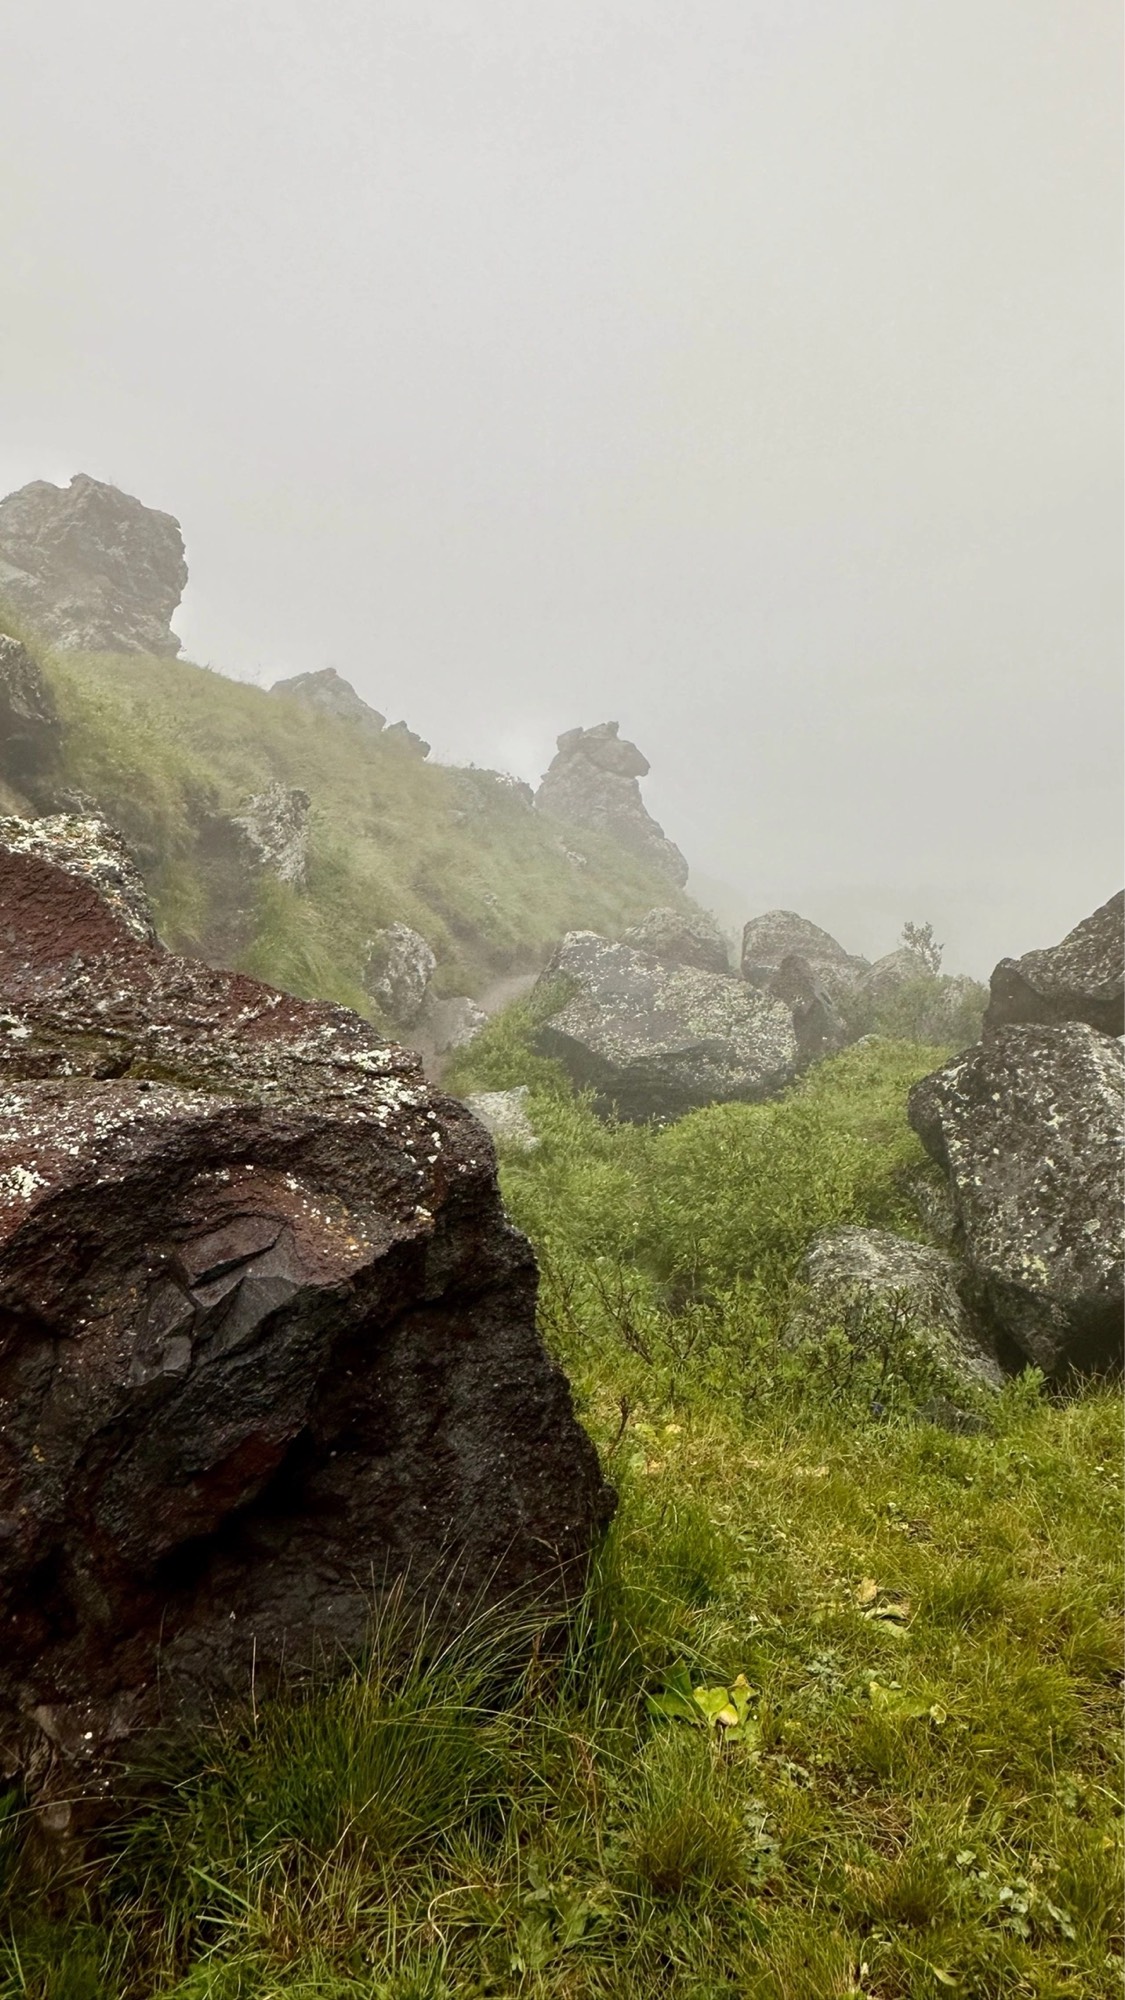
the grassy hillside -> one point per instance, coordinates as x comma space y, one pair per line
839, 1718
163, 746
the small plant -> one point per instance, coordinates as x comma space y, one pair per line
920, 939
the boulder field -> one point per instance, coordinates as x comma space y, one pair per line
267, 1339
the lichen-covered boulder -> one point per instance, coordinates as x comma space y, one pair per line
655, 1041
1029, 1127
881, 1288
85, 845
817, 1022
504, 1113
681, 937
30, 728
267, 1339
400, 965
1081, 979
592, 783
770, 939
275, 830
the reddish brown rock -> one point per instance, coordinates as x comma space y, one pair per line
266, 1337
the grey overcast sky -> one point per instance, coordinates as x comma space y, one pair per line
747, 370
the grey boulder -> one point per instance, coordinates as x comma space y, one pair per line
275, 825
876, 1286
1028, 1128
400, 965
817, 1022
328, 693
504, 1115
592, 783
91, 568
681, 937
770, 939
655, 1041
1081, 979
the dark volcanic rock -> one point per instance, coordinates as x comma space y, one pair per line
592, 783
817, 1023
655, 1041
1081, 979
267, 1339
780, 934
30, 729
868, 1281
85, 845
1028, 1127
328, 693
91, 568
681, 937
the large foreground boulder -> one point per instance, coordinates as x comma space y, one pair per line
91, 568
1081, 979
770, 939
888, 1293
1028, 1127
267, 1339
592, 783
654, 1041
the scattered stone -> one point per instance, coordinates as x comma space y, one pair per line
891, 973
407, 739
817, 1023
268, 1341
328, 693
874, 1284
768, 940
681, 937
87, 846
276, 827
503, 1113
92, 569
445, 1025
1081, 979
400, 965
655, 1041
592, 783
1028, 1128
30, 729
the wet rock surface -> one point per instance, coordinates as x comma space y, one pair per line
1081, 979
400, 965
770, 939
86, 846
1028, 1128
592, 783
91, 568
266, 1338
328, 693
30, 729
655, 1041
880, 1287
681, 937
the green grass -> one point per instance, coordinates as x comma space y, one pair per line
924, 1795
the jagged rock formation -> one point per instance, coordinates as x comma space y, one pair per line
30, 729
876, 1286
400, 965
328, 693
655, 1041
408, 739
592, 783
781, 934
817, 1022
1028, 1129
267, 1339
275, 830
1081, 979
681, 937
92, 569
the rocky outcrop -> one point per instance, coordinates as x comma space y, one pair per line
328, 693
1081, 979
890, 974
408, 740
817, 1022
654, 1041
504, 1114
885, 1291
267, 1340
592, 783
681, 937
275, 830
91, 568
400, 965
86, 846
1028, 1128
30, 729
780, 934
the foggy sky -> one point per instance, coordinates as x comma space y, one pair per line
745, 371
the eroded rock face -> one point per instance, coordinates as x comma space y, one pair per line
780, 934
267, 1339
275, 827
592, 783
681, 937
877, 1286
400, 965
656, 1041
817, 1023
1081, 979
92, 569
1028, 1127
30, 729
328, 693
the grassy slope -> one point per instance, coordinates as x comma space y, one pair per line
161, 743
924, 1798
